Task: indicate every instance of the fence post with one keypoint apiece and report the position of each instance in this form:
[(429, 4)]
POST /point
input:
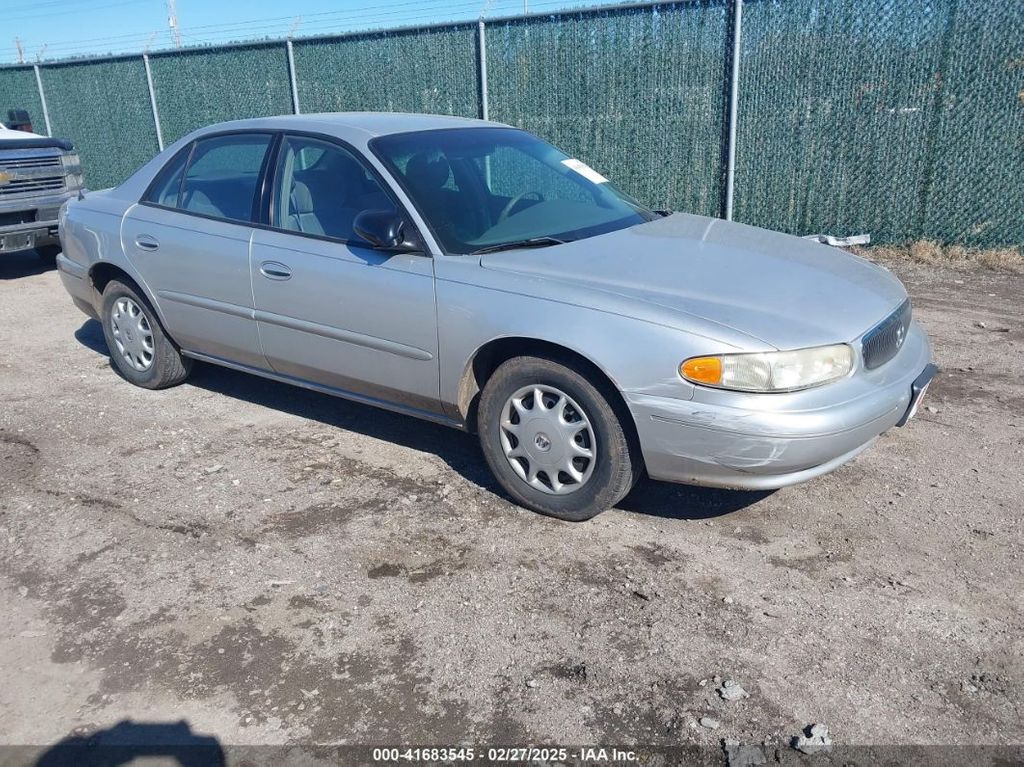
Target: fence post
[(291, 77), (734, 101), (42, 100), (481, 37), (152, 102)]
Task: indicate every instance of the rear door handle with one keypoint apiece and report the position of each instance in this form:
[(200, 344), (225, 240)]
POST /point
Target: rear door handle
[(274, 270), (147, 242)]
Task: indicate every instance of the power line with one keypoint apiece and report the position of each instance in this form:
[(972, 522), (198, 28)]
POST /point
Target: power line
[(354, 20), (53, 6), (58, 4), (426, 13), (260, 24), (48, 14)]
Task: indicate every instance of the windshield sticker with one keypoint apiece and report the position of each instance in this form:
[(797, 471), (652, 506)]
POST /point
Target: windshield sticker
[(585, 170)]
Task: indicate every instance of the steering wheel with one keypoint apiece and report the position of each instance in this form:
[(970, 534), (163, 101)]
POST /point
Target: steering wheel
[(510, 206)]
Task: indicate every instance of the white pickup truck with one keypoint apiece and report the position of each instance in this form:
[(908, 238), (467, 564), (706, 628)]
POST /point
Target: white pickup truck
[(37, 175)]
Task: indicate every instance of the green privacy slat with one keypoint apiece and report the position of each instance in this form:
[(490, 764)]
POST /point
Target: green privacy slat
[(198, 87), (900, 118), (427, 71), (103, 108), (975, 190), (18, 91), (637, 94)]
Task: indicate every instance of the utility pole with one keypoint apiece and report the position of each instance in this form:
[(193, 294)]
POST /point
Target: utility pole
[(21, 50), (172, 22)]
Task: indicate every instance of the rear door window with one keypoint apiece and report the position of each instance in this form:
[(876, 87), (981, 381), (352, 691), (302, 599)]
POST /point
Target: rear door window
[(223, 176)]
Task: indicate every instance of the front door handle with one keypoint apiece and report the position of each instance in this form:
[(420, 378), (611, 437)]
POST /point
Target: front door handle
[(147, 242), (275, 270)]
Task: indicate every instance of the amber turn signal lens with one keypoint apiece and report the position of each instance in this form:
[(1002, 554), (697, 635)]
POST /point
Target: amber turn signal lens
[(705, 370)]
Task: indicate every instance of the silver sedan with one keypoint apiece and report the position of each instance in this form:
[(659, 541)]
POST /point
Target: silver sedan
[(469, 273)]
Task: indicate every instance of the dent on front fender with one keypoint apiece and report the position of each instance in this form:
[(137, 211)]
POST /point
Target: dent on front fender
[(634, 355)]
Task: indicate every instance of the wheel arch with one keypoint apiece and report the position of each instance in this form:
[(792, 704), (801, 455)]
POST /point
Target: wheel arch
[(490, 355), (100, 275), (102, 272)]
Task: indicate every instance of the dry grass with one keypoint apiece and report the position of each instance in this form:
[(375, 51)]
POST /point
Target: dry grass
[(958, 257)]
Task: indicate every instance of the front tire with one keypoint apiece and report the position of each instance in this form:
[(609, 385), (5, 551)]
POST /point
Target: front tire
[(139, 348), (553, 440)]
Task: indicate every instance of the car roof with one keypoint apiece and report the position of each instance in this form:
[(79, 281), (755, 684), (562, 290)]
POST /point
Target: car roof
[(367, 124), (357, 128)]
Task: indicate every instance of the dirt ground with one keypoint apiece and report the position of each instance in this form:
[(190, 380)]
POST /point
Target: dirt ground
[(272, 565)]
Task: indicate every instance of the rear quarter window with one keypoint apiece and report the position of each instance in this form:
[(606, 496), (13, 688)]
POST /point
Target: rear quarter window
[(165, 188)]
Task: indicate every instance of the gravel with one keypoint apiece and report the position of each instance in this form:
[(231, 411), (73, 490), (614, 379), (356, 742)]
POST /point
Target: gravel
[(370, 557)]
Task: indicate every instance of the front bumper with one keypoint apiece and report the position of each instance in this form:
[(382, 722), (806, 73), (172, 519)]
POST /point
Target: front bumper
[(36, 223), (767, 441)]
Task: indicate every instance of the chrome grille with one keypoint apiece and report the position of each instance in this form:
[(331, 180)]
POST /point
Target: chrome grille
[(885, 339), (30, 172), (16, 163), (28, 186)]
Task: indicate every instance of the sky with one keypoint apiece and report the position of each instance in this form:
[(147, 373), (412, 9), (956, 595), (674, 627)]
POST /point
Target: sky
[(58, 29)]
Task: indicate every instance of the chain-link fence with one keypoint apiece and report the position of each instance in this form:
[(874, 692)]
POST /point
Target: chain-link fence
[(900, 118), (431, 70), (638, 93), (194, 88), (103, 107)]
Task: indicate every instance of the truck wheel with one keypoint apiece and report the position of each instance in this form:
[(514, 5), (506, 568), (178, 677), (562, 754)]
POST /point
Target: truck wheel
[(553, 441), (48, 253), (139, 347)]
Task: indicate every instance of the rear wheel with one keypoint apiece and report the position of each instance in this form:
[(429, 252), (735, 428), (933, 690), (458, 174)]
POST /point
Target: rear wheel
[(553, 440), (139, 348)]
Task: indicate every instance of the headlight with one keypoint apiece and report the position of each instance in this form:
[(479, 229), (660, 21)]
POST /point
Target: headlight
[(771, 371)]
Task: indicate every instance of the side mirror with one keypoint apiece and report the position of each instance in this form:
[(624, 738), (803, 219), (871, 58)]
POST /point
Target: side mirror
[(383, 229)]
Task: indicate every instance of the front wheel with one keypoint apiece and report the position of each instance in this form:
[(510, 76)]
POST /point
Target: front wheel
[(139, 348), (553, 440)]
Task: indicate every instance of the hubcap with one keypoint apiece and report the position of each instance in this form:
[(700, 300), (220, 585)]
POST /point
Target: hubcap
[(548, 439), (132, 334)]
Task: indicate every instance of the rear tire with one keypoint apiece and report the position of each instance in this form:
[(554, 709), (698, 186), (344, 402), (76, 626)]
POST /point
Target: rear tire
[(48, 254), (139, 348), (569, 457)]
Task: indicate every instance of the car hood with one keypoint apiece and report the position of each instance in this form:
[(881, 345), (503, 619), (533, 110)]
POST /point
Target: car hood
[(782, 290), (6, 134)]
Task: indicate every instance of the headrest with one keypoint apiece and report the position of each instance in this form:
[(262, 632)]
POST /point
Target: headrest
[(302, 200), (428, 172), (199, 202), (341, 168)]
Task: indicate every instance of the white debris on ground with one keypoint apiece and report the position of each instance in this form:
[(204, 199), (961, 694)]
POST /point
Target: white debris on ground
[(814, 740), (732, 691)]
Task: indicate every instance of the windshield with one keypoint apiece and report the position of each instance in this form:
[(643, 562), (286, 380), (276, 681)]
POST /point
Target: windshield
[(479, 188)]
